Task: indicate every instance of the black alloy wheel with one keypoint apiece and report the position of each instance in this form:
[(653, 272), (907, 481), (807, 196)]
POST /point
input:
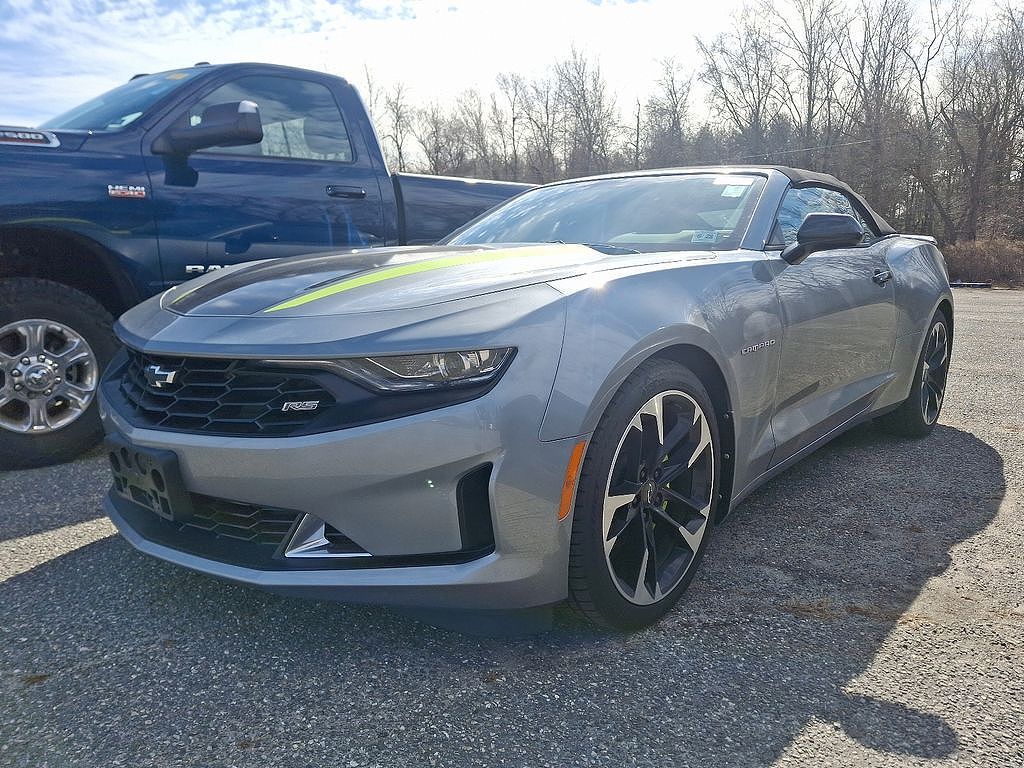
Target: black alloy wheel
[(645, 505)]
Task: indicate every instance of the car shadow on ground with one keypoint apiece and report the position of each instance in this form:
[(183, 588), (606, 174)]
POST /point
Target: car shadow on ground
[(111, 653)]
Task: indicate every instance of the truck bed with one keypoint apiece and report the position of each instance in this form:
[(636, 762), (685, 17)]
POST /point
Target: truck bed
[(431, 207)]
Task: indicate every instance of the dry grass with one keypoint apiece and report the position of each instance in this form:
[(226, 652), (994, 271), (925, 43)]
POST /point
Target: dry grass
[(998, 261)]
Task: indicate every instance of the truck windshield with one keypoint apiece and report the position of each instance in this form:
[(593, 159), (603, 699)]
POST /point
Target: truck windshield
[(681, 212), (122, 106)]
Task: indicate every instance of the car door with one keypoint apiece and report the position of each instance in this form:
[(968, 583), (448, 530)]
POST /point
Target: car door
[(839, 325), (307, 186)]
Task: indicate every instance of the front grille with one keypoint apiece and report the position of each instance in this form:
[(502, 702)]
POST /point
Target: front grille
[(239, 521), (220, 396)]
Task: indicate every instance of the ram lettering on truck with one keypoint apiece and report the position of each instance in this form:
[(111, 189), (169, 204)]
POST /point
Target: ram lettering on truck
[(168, 177)]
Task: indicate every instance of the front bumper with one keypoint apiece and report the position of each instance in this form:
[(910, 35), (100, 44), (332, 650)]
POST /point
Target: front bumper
[(392, 488)]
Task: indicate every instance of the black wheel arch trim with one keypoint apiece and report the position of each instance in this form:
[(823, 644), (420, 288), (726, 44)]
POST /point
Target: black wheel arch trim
[(120, 294)]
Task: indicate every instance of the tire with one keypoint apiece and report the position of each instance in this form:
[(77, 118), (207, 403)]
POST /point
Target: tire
[(74, 334), (653, 521), (916, 416)]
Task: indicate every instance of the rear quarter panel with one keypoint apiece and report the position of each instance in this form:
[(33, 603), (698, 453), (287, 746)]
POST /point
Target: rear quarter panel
[(921, 284), (921, 280)]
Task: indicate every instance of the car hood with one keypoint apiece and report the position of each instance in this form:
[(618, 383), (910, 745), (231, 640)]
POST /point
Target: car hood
[(380, 279)]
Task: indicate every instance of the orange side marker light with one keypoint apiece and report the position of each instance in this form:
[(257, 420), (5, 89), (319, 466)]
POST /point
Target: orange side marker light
[(572, 473)]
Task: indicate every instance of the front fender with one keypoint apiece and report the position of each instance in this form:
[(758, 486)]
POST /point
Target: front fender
[(725, 306), (615, 322)]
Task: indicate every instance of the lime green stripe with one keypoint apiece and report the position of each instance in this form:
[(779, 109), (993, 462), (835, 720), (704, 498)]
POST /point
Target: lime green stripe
[(402, 270)]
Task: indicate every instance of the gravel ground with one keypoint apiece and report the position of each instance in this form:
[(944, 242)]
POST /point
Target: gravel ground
[(863, 609)]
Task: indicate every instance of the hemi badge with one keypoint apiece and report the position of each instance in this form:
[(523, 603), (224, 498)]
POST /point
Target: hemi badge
[(125, 190)]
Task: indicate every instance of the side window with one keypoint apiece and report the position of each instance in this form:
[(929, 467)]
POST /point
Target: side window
[(300, 118), (799, 201)]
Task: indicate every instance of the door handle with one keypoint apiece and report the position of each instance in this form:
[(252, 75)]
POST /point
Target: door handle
[(351, 193), (882, 276)]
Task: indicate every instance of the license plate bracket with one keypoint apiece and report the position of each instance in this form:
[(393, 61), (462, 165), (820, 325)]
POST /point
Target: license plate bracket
[(149, 477)]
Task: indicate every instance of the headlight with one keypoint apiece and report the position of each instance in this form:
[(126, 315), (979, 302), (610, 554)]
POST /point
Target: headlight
[(438, 370)]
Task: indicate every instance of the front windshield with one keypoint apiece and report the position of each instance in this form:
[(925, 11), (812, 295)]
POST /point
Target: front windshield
[(682, 212), (122, 106)]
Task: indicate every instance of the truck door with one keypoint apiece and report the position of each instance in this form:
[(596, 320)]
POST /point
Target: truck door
[(839, 326), (308, 186)]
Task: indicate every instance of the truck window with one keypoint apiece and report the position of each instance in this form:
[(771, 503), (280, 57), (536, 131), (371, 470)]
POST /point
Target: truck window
[(300, 118), (122, 106)]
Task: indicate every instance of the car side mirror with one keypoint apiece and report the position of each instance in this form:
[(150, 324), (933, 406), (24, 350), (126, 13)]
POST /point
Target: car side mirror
[(821, 232), (234, 124)]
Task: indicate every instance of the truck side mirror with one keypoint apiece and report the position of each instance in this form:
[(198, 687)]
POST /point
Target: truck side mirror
[(234, 124), (821, 232)]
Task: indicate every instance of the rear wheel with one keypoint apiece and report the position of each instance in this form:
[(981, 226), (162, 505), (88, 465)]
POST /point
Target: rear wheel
[(917, 415), (644, 507), (54, 342)]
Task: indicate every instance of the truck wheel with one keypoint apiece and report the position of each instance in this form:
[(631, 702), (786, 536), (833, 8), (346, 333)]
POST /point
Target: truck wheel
[(54, 343)]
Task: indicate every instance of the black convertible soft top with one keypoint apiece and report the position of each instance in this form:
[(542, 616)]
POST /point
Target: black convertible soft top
[(797, 176), (800, 177)]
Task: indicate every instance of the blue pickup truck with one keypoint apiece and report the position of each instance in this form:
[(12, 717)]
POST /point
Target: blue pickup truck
[(167, 177)]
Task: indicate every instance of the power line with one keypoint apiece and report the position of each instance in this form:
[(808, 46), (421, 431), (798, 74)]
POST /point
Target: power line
[(766, 155)]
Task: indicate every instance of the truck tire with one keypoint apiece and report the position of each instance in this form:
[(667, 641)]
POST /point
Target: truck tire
[(54, 344)]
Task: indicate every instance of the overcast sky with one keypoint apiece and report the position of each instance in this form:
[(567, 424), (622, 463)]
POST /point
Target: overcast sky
[(58, 53)]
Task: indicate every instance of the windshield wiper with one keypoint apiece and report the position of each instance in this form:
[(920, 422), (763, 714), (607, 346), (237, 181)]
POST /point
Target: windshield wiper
[(609, 248)]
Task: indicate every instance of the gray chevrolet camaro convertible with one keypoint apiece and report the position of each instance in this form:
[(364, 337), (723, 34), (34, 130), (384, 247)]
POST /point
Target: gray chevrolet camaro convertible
[(560, 400)]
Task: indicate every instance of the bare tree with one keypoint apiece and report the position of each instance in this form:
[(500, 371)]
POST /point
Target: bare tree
[(666, 116), (740, 69), (506, 116), (809, 76), (591, 119), (442, 136), (371, 95), (982, 112), (398, 124), (946, 25), (919, 103), (472, 115), (878, 101), (544, 113)]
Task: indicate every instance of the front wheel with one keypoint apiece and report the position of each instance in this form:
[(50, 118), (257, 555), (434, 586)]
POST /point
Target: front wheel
[(54, 342), (646, 497), (917, 415)]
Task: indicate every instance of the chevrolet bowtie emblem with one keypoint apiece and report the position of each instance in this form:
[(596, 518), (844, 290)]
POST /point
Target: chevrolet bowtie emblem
[(160, 377)]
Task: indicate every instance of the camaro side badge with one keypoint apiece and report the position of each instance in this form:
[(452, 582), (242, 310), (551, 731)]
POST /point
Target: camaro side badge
[(125, 190), (301, 405), (757, 347)]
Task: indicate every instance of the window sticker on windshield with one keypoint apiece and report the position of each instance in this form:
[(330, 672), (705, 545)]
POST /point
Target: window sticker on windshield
[(733, 181), (704, 236), (734, 190), (177, 75)]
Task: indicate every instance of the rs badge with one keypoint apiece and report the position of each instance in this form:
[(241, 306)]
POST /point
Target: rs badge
[(301, 405)]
